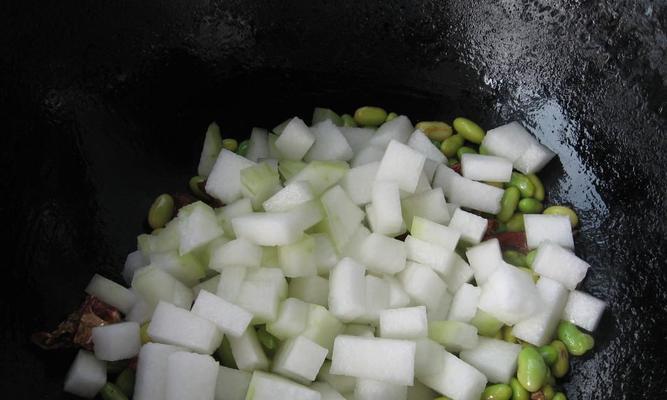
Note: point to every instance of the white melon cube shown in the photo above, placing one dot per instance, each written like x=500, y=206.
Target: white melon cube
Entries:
x=383, y=254
x=358, y=182
x=111, y=293
x=342, y=383
x=224, y=182
x=373, y=223
x=540, y=327
x=402, y=165
x=140, y=312
x=307, y=214
x=261, y=298
x=364, y=330
x=231, y=279
x=466, y=192
x=151, y=378
x=404, y=323
x=154, y=285
x=267, y=229
x=133, y=262
x=347, y=290
x=397, y=296
x=437, y=257
x=368, y=154
x=274, y=276
x=186, y=268
x=247, y=351
x=165, y=240
x=342, y=216
x=175, y=326
x=228, y=317
x=115, y=342
x=377, y=299
x=534, y=158
x=191, y=376
x=321, y=175
x=238, y=252
x=295, y=140
x=197, y=225
x=557, y=263
x=454, y=335
x=322, y=327
x=510, y=295
x=497, y=359
x=509, y=141
x=486, y=168
x=464, y=303
x=484, y=259
x=290, y=196
x=439, y=312
x=420, y=142
x=457, y=379
x=387, y=207
x=369, y=389
x=230, y=211
x=327, y=391
x=265, y=386
x=326, y=256
x=386, y=360
x=583, y=310
x=471, y=226
x=258, y=145
x=298, y=258
x=357, y=138
x=459, y=273
x=210, y=150
x=398, y=129
x=435, y=233
x=353, y=247
x=429, y=357
x=311, y=289
x=86, y=376
x=330, y=144
x=232, y=384
x=291, y=321
x=430, y=205
x=422, y=284
x=554, y=228
x=300, y=359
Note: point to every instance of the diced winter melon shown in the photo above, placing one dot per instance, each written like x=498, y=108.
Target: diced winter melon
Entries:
x=510, y=295
x=552, y=228
x=484, y=259
x=300, y=359
x=258, y=183
x=167, y=239
x=191, y=376
x=540, y=327
x=430, y=205
x=420, y=142
x=430, y=167
x=325, y=114
x=454, y=335
x=440, y=311
x=358, y=182
x=133, y=262
x=274, y=276
x=290, y=168
x=435, y=233
x=140, y=312
x=423, y=185
x=357, y=138
x=534, y=158
x=402, y=165
x=386, y=360
x=325, y=253
x=342, y=383
x=364, y=330
x=487, y=324
x=155, y=285
x=228, y=317
x=459, y=273
x=311, y=289
x=404, y=323
x=238, y=252
x=322, y=327
x=86, y=376
x=377, y=299
x=261, y=298
x=111, y=293
x=258, y=144
x=295, y=140
x=347, y=290
x=386, y=201
x=497, y=359
x=367, y=155
x=289, y=197
x=353, y=247
x=383, y=254
x=327, y=391
x=291, y=321
x=186, y=268
x=342, y=216
x=369, y=389
x=321, y=175
x=464, y=303
x=115, y=342
x=151, y=378
x=247, y=351
x=224, y=182
x=273, y=151
x=278, y=129
x=397, y=296
x=471, y=226
x=437, y=257
x=486, y=168
x=398, y=129
x=227, y=213
x=422, y=284
x=466, y=192
x=265, y=386
x=231, y=279
x=583, y=310
x=429, y=357
x=457, y=379
x=175, y=326
x=330, y=144
x=210, y=150
x=197, y=225
x=307, y=214
x=555, y=262
x=231, y=384
x=298, y=259
x=267, y=229
x=509, y=141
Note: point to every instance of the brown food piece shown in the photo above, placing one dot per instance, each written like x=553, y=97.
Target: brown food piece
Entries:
x=510, y=241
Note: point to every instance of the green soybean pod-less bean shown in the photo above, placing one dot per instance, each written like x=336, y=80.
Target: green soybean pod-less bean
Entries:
x=243, y=148
x=230, y=144
x=391, y=116
x=370, y=116
x=499, y=391
x=450, y=145
x=112, y=392
x=465, y=150
x=560, y=396
x=531, y=369
x=562, y=365
x=161, y=211
x=469, y=130
x=549, y=354
x=348, y=121
x=508, y=203
x=539, y=187
x=576, y=341
x=516, y=224
x=530, y=257
x=518, y=391
x=563, y=210
x=125, y=381
x=521, y=182
x=435, y=130
x=197, y=184
x=515, y=258
x=530, y=206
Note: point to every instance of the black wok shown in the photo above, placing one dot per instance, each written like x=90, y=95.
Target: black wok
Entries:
x=105, y=103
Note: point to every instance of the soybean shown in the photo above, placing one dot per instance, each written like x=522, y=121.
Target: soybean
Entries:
x=197, y=184
x=530, y=206
x=112, y=392
x=436, y=143
x=508, y=336
x=391, y=116
x=348, y=121
x=450, y=145
x=562, y=365
x=522, y=183
x=464, y=150
x=515, y=258
x=577, y=342
x=548, y=392
x=563, y=210
x=143, y=332
x=161, y=211
x=549, y=353
x=531, y=370
x=125, y=381
x=370, y=116
x=508, y=203
x=436, y=130
x=530, y=257
x=560, y=396
x=452, y=162
x=243, y=148
x=230, y=144
x=469, y=130
x=539, y=187
x=442, y=398
x=499, y=391
x=484, y=151
x=515, y=224
x=518, y=391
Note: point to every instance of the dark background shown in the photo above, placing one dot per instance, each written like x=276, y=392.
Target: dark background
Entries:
x=104, y=105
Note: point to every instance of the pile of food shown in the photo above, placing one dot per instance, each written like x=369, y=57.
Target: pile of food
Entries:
x=360, y=257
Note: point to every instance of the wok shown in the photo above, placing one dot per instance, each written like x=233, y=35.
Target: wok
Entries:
x=105, y=105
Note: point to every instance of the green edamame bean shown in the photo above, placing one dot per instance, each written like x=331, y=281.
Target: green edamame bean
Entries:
x=465, y=150
x=549, y=380
x=508, y=203
x=112, y=392
x=197, y=185
x=348, y=121
x=515, y=224
x=452, y=162
x=114, y=367
x=469, y=130
x=515, y=258
x=560, y=396
x=522, y=183
x=450, y=145
x=499, y=391
x=370, y=116
x=143, y=332
x=548, y=392
x=518, y=391
x=483, y=150
x=268, y=341
x=436, y=130
x=508, y=336
x=563, y=210
x=539, y=187
x=530, y=206
x=442, y=398
x=577, y=342
x=243, y=148
x=436, y=143
x=161, y=211
x=531, y=370
x=562, y=365
x=499, y=335
x=230, y=144
x=391, y=116
x=530, y=257
x=549, y=354
x=125, y=381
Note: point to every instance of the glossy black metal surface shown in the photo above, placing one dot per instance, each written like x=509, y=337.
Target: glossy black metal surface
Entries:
x=105, y=105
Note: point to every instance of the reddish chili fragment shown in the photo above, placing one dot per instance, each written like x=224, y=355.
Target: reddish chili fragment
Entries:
x=511, y=241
